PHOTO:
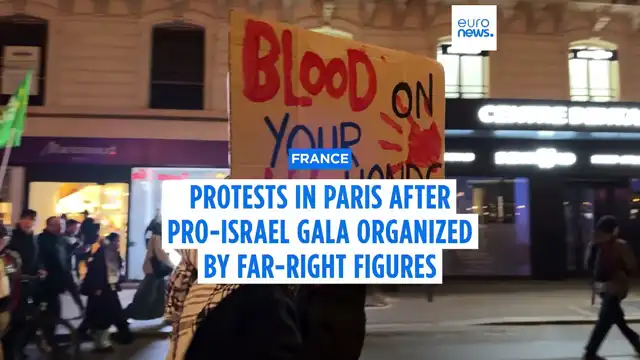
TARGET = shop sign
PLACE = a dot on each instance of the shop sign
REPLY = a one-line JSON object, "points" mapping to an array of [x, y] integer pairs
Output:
{"points": [[545, 158], [54, 148], [168, 153], [609, 159], [558, 115]]}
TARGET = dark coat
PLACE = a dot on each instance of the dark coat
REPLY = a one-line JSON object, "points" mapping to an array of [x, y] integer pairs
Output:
{"points": [[97, 273], [254, 322], [613, 267], [103, 305], [52, 256], [27, 247]]}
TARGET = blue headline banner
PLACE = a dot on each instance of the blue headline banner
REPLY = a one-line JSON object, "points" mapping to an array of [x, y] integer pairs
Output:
{"points": [[316, 231], [320, 159]]}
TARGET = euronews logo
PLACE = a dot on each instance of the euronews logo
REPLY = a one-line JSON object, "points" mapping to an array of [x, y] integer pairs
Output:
{"points": [[474, 28]]}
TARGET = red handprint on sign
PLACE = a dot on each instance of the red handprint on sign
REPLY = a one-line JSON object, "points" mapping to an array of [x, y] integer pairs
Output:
{"points": [[425, 145], [268, 174]]}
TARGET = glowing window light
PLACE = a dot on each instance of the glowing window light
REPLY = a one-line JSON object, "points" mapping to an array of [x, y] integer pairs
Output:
{"points": [[459, 157], [612, 159]]}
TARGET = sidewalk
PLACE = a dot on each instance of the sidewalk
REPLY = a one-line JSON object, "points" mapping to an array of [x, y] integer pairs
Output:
{"points": [[461, 304], [495, 303]]}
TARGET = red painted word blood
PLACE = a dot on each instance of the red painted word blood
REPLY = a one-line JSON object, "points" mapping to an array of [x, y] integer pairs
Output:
{"points": [[334, 77]]}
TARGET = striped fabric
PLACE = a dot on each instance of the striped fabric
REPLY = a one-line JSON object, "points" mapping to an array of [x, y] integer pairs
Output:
{"points": [[200, 299], [188, 303], [179, 283]]}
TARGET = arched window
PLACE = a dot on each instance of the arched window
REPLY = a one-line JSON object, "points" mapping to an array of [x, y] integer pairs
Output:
{"points": [[465, 72], [328, 30], [177, 67], [23, 46], [593, 71]]}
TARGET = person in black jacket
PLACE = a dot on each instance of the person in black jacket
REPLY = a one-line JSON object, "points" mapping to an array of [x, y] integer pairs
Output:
{"points": [[52, 256], [87, 229], [73, 245], [23, 242], [87, 235]]}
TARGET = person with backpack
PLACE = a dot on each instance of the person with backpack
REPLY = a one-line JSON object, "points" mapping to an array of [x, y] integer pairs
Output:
{"points": [[612, 263]]}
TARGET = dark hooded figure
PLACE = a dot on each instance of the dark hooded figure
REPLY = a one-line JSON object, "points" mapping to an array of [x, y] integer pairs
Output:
{"points": [[101, 285], [148, 301]]}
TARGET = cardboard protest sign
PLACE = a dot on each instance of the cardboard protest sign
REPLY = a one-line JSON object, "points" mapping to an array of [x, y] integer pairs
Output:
{"points": [[294, 88]]}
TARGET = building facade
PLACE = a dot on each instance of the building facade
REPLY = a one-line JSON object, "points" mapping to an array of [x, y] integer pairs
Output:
{"points": [[132, 92], [97, 55]]}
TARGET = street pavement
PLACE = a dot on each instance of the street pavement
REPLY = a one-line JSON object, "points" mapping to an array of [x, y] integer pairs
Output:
{"points": [[541, 342], [478, 320], [460, 303], [495, 303]]}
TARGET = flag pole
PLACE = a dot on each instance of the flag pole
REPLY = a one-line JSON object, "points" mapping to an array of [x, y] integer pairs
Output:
{"points": [[5, 157]]}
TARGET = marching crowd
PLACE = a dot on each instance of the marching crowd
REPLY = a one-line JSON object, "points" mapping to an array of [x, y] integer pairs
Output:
{"points": [[209, 321], [48, 264]]}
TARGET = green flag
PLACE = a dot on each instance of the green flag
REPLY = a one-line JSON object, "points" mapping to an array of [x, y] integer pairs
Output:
{"points": [[15, 114]]}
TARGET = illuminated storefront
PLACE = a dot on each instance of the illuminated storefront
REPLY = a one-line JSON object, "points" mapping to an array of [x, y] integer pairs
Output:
{"points": [[539, 173], [107, 202], [116, 180], [146, 197]]}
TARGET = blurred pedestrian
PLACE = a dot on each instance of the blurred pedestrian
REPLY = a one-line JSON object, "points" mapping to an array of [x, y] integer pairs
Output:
{"points": [[9, 291], [154, 227], [101, 285], [88, 234], [612, 263], [24, 243], [148, 301], [72, 244], [58, 279]]}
